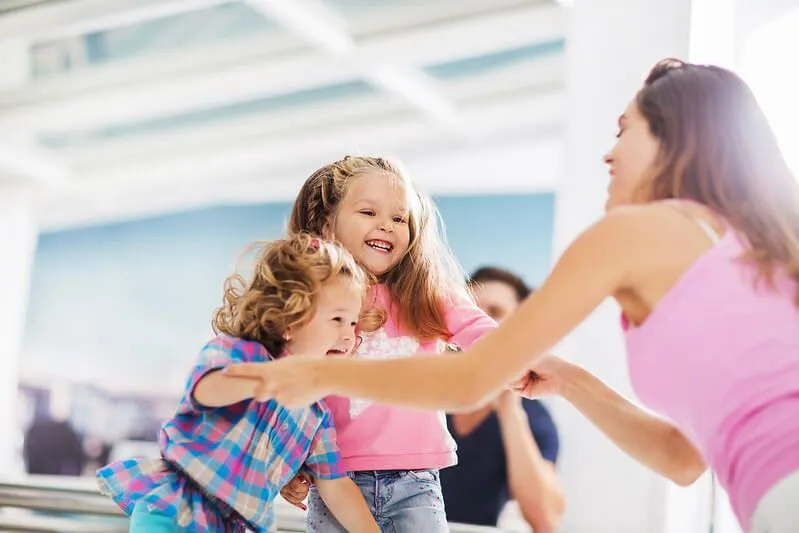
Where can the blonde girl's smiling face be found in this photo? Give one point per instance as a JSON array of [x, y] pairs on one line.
[[372, 221]]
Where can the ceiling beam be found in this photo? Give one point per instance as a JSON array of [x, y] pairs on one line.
[[187, 168], [322, 26], [59, 20], [417, 88], [507, 86], [313, 20], [33, 164], [452, 171], [146, 98]]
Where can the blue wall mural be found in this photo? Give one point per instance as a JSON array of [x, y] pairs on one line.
[[120, 311]]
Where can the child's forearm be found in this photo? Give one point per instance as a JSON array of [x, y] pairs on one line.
[[216, 389], [347, 504]]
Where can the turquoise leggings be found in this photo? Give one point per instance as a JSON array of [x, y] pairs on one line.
[[143, 520]]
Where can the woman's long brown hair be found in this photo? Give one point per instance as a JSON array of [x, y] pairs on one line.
[[717, 148]]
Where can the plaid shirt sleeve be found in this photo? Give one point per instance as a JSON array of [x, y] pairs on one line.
[[324, 460], [217, 354]]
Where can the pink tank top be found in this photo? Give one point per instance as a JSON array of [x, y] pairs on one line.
[[719, 356]]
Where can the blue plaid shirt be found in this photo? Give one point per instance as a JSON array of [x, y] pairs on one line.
[[227, 462]]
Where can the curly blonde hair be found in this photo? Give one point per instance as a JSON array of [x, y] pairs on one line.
[[283, 289], [427, 278]]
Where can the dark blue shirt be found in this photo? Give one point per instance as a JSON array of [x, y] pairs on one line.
[[476, 490]]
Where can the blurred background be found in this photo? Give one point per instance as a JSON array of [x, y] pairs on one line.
[[145, 143]]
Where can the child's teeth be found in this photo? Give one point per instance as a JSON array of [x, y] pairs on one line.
[[379, 245]]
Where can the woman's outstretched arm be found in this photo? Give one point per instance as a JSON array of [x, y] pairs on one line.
[[648, 438], [594, 267], [599, 263]]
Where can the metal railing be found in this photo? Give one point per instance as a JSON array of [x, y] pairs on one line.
[[41, 504]]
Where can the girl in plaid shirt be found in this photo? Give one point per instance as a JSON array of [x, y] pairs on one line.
[[225, 456]]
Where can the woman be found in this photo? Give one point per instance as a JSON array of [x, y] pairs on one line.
[[700, 247]]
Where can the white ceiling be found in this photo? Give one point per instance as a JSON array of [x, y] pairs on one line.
[[127, 107]]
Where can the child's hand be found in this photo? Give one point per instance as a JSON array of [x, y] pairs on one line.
[[296, 490], [293, 381]]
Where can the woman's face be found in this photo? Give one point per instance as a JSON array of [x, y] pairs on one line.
[[630, 158]]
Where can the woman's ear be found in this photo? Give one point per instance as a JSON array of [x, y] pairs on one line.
[[287, 335]]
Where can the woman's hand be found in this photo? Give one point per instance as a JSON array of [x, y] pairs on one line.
[[292, 381], [545, 379]]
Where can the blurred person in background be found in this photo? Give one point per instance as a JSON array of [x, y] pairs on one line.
[[51, 445], [506, 450]]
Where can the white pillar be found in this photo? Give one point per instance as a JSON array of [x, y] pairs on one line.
[[612, 45], [18, 235], [15, 55]]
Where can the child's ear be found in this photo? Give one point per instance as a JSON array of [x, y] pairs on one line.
[[327, 231], [287, 335]]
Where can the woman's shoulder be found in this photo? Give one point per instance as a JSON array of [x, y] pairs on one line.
[[631, 243], [655, 213], [637, 213], [643, 227]]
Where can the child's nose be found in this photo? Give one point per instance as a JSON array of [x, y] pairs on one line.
[[386, 225]]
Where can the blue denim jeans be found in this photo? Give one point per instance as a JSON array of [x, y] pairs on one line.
[[402, 501]]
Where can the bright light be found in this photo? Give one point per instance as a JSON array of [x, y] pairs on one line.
[[767, 66], [713, 32]]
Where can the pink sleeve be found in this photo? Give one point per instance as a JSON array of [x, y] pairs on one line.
[[467, 323]]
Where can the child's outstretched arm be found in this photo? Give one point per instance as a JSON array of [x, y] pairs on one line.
[[215, 389], [208, 386], [344, 499]]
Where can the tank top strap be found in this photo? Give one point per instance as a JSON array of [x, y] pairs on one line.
[[705, 226], [700, 221]]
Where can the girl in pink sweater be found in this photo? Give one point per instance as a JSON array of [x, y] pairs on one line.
[[394, 454]]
